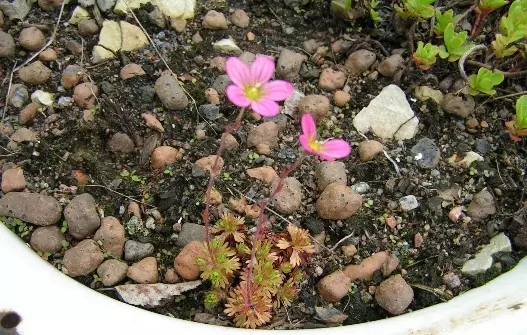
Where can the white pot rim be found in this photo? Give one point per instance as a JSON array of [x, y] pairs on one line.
[[50, 302]]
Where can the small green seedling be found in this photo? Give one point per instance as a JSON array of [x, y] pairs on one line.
[[344, 9], [518, 127], [133, 177], [419, 9], [374, 14], [485, 81], [443, 20], [521, 112], [169, 170], [456, 44], [425, 56], [513, 28]]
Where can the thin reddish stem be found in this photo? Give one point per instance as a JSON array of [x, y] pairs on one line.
[[260, 222], [214, 173]]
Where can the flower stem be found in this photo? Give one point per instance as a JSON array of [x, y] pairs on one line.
[[261, 220], [214, 173]]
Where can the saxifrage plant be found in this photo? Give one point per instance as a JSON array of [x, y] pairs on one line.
[[484, 81], [443, 20], [518, 127], [425, 55], [455, 44], [513, 28], [252, 274], [418, 9]]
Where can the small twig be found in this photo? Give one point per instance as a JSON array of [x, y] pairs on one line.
[[461, 63], [499, 173], [468, 11], [118, 193], [52, 38], [444, 296], [341, 240], [507, 96], [8, 91]]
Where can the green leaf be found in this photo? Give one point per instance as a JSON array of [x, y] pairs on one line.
[[521, 112]]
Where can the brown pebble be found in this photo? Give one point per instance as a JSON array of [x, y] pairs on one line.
[[13, 180], [152, 122], [131, 70], [85, 94], [162, 156], [341, 98], [31, 39], [171, 276], [48, 55], [28, 113]]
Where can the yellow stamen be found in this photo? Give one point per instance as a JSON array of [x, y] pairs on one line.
[[315, 145], [253, 92]]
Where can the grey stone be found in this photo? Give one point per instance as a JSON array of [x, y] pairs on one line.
[[388, 116], [121, 142], [459, 105], [47, 239], [210, 112], [83, 258], [38, 209], [426, 154], [408, 203], [289, 199], [481, 206], [315, 226], [86, 3], [147, 94], [18, 95], [7, 45], [289, 63], [170, 93], [330, 172], [135, 251], [81, 215], [221, 83], [112, 272], [482, 145], [190, 232], [330, 315], [483, 259]]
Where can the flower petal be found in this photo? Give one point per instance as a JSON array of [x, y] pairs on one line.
[[262, 69], [334, 149], [304, 142], [265, 107], [278, 90], [309, 127], [236, 96], [238, 72]]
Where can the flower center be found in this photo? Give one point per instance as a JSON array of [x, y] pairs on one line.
[[253, 92], [315, 145]]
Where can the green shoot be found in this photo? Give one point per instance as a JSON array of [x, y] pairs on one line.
[[418, 9], [425, 55], [456, 44], [513, 28], [521, 112], [443, 20], [374, 14], [484, 81]]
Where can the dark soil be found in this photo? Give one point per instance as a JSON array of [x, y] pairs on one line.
[[178, 194]]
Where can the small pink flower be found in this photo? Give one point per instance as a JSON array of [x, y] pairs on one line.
[[253, 88], [328, 150]]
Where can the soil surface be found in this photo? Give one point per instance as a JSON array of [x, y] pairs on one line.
[[66, 142]]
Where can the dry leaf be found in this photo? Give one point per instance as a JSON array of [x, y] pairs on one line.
[[153, 295]]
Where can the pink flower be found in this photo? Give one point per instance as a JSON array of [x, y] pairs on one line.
[[328, 150], [253, 88]]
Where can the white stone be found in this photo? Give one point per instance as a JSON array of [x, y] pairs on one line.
[[227, 46], [483, 259], [408, 203], [122, 8], [100, 54], [465, 160], [388, 116], [425, 93], [106, 5], [184, 9], [78, 15], [110, 36], [42, 98], [291, 103], [133, 37], [86, 3]]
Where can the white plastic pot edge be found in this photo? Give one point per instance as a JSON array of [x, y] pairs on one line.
[[50, 302]]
